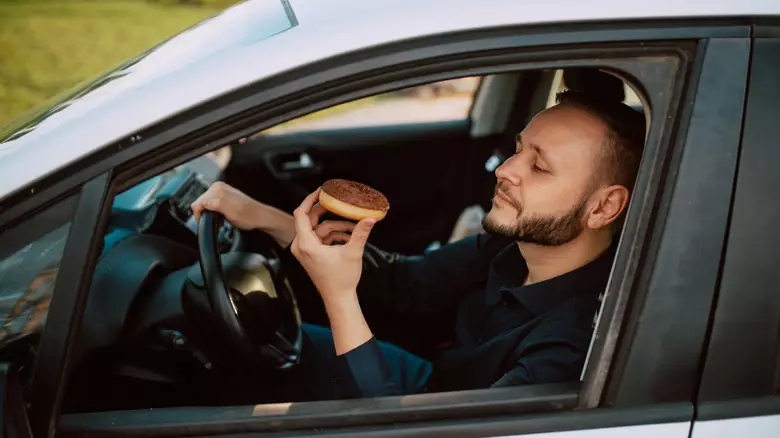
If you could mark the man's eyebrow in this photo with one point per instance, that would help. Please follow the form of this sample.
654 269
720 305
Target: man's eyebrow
539 151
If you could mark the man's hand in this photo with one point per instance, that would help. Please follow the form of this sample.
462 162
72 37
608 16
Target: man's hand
334 269
245 213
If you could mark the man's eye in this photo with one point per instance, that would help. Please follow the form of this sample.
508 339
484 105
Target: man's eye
539 169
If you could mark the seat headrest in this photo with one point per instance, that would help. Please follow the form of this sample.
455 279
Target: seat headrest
593 81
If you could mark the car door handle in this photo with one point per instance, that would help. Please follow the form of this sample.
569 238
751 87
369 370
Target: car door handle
303 162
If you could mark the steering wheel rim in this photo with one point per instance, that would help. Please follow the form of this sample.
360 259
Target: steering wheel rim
279 351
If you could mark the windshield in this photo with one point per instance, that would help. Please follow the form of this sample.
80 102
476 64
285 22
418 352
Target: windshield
240 25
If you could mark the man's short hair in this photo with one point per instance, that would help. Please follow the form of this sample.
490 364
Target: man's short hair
626 134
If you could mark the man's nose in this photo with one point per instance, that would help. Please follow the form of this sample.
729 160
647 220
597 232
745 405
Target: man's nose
511 170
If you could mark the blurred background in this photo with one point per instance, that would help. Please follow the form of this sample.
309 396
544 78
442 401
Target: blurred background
48 47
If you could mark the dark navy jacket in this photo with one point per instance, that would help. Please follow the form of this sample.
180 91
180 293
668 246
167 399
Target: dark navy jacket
505 333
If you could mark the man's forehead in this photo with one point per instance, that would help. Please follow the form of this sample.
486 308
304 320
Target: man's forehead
564 127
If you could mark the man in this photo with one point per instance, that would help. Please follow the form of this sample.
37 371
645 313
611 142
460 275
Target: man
519 300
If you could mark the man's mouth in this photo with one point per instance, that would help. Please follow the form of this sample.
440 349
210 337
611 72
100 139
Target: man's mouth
505 198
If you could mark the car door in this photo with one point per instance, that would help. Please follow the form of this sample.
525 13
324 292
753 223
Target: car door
740 389
644 365
424 130
32 257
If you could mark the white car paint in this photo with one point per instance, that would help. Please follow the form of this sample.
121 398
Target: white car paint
753 427
665 430
327 28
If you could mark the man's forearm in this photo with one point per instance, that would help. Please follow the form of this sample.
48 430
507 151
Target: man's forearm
276 223
349 326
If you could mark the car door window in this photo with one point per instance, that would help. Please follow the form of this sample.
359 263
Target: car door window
29 263
434 102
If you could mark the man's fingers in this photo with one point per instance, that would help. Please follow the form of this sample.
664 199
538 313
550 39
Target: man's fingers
335 237
303 226
308 202
316 213
360 234
328 227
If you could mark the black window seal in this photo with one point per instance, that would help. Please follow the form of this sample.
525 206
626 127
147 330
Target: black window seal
455 44
327 414
504 425
67 305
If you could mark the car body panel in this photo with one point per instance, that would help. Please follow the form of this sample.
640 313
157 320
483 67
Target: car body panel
39 152
766 426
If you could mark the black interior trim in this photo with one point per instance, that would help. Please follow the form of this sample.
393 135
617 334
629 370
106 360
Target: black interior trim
67 305
743 353
505 425
325 414
419 50
666 343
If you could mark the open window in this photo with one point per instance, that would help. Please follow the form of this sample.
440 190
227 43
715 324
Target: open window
150 348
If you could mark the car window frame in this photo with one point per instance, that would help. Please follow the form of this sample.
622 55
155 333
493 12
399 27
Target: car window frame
67 305
200 122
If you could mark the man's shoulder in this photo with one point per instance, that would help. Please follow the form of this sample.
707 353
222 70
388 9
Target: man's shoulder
579 311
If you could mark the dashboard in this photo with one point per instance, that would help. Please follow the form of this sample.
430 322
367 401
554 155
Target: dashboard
165 199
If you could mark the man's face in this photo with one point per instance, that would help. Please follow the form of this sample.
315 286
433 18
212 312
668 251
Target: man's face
543 190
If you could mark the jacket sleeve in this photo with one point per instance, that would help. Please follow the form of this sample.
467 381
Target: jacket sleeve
424 286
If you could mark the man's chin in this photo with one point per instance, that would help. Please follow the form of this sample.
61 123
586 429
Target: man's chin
494 225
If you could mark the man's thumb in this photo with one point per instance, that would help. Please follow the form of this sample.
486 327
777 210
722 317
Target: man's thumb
361 232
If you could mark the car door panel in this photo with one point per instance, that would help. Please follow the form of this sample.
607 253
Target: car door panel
738 394
427 171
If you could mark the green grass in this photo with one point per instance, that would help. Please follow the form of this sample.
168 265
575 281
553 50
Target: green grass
49 46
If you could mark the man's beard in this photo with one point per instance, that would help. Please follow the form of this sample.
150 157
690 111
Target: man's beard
542 230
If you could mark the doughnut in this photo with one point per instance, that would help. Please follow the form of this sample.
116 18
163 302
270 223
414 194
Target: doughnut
353 200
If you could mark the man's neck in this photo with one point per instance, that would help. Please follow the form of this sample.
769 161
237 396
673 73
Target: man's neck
546 262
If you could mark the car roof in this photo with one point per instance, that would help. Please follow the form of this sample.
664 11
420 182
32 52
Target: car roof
122 105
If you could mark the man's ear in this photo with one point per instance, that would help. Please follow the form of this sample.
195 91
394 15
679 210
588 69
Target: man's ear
608 204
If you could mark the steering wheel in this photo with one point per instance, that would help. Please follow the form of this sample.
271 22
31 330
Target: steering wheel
259 318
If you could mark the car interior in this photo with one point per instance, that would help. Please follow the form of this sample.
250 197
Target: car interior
148 337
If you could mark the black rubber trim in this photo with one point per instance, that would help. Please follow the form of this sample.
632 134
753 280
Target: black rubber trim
349 67
14 422
235 420
67 305
754 407
766 27
345 413
742 361
326 414
664 339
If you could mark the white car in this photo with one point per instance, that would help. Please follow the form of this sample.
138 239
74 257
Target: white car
103 309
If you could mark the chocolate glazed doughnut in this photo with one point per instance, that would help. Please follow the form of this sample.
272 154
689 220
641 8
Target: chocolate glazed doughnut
353 200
